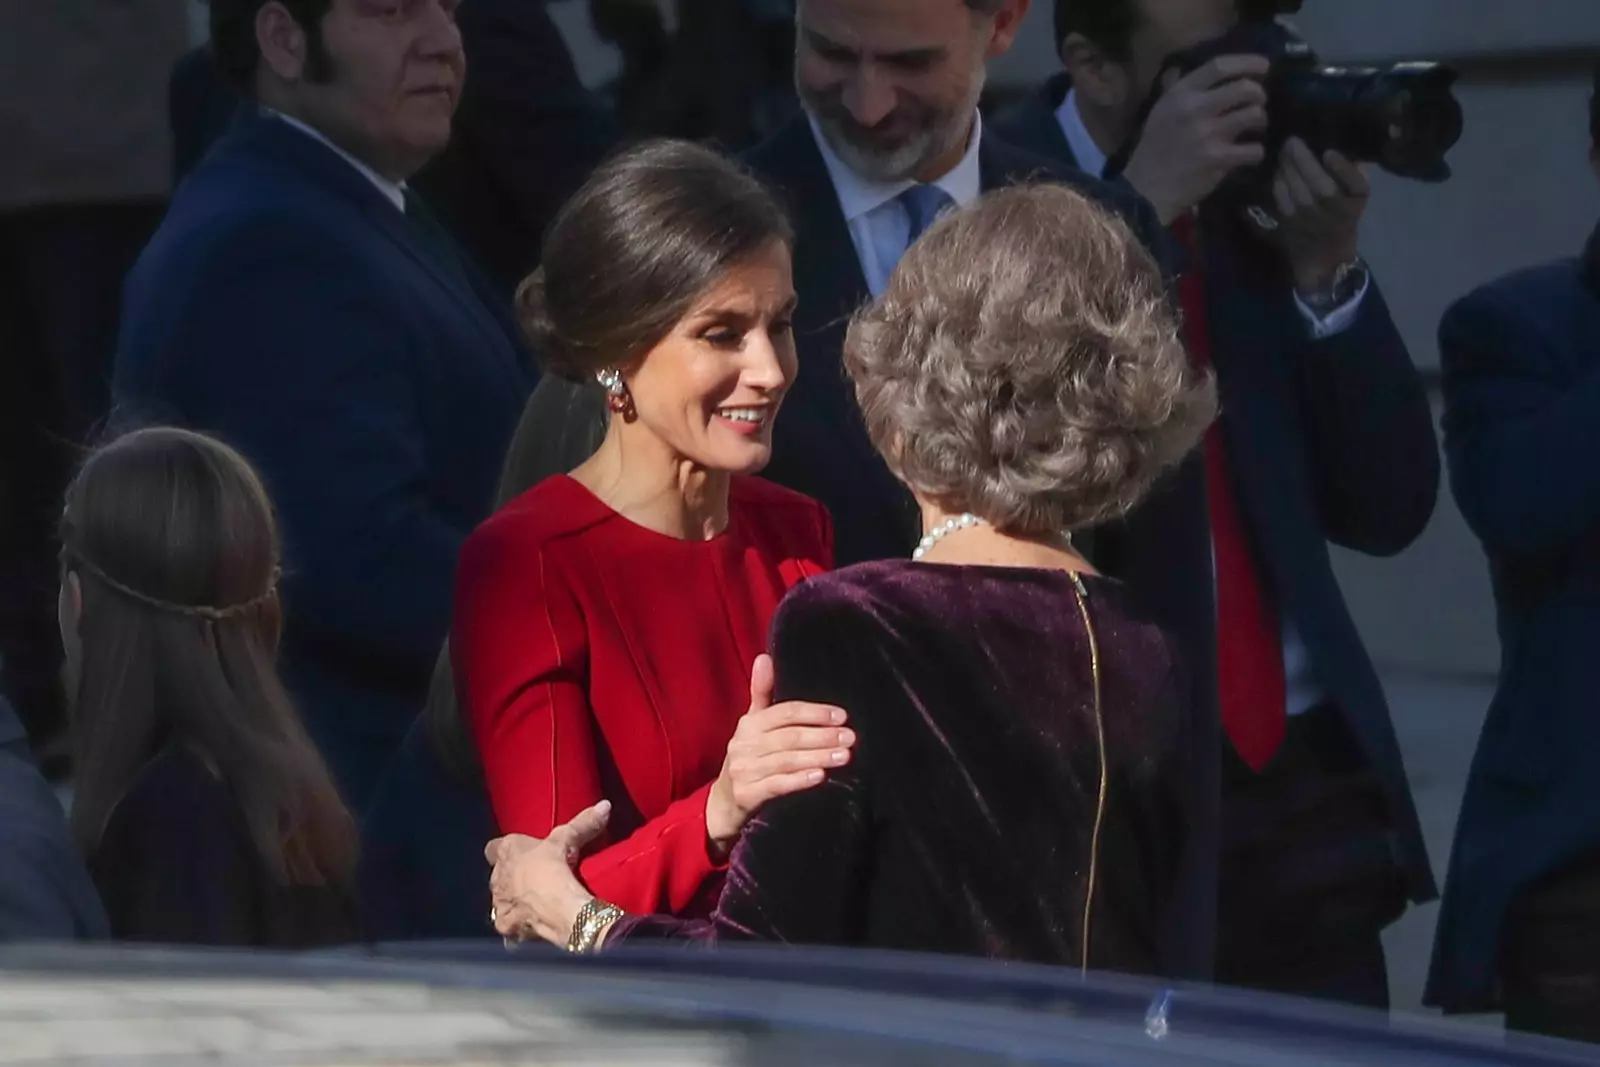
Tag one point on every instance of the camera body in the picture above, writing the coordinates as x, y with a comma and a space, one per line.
1402, 117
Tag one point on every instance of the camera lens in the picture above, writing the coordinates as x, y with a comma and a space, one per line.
1403, 118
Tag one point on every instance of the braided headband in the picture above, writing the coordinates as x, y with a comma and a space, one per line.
192, 611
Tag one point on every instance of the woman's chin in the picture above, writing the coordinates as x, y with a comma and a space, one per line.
744, 455
751, 461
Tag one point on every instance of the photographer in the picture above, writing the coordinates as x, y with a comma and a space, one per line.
1519, 930
1325, 436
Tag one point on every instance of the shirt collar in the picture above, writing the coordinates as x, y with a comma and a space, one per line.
395, 192
859, 196
1090, 156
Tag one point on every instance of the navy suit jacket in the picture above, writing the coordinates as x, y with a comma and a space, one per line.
1521, 363
1329, 441
45, 891
288, 307
526, 136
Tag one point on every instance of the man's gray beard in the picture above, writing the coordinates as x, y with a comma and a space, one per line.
905, 162
899, 165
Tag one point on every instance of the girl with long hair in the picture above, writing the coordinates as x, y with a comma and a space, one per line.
203, 808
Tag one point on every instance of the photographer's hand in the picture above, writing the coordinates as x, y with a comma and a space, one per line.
1190, 142
1320, 205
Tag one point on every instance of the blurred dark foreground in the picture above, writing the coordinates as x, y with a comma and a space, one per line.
476, 1004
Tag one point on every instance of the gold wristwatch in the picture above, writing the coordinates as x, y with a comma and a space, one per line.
594, 919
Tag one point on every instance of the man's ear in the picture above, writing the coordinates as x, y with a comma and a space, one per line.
1097, 77
282, 41
1007, 22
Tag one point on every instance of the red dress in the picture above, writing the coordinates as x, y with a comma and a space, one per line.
597, 659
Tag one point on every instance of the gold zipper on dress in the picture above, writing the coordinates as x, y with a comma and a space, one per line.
1081, 594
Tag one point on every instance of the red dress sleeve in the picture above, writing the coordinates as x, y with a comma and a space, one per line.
519, 650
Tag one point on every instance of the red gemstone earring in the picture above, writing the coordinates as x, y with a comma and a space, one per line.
617, 397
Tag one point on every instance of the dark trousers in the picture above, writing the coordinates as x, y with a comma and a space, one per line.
1308, 877
1550, 963
61, 272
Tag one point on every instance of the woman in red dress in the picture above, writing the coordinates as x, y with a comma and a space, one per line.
610, 623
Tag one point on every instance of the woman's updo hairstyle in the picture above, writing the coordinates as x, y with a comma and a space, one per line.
1025, 365
626, 258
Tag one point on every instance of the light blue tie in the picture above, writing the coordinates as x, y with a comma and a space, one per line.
923, 204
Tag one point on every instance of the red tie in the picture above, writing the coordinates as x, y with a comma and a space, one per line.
1250, 680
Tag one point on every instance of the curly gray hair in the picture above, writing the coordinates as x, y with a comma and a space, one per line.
1024, 364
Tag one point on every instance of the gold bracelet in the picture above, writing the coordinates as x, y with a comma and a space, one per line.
594, 919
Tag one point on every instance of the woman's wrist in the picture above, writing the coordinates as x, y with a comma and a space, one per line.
591, 924
572, 908
722, 823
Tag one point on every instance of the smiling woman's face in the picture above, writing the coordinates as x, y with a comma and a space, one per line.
710, 390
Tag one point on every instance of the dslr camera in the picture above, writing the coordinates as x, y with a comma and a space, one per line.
1403, 117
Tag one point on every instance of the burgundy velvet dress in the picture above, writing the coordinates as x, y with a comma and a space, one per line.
963, 825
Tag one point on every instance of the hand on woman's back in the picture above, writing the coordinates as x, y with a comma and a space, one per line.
777, 749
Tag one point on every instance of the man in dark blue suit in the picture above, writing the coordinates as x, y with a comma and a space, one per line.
300, 303
1325, 436
45, 892
525, 137
889, 136
1520, 927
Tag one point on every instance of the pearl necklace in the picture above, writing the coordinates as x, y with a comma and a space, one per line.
943, 530
963, 522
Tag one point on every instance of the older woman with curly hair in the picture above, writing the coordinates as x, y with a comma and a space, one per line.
1016, 790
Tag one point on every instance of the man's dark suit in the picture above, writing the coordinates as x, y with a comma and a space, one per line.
821, 447
1521, 361
45, 891
526, 136
289, 307
1328, 440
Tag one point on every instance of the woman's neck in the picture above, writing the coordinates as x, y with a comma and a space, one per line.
636, 475
981, 545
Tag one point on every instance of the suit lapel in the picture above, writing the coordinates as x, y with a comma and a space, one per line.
319, 163
827, 268
1034, 126
1257, 386
822, 446
454, 280
1000, 165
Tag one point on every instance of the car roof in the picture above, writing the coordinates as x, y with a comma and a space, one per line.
469, 1004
